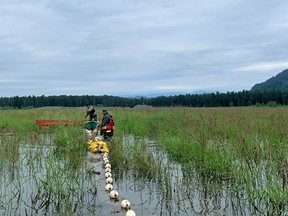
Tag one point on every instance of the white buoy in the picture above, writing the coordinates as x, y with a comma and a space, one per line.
108, 174
130, 213
99, 137
106, 162
108, 187
107, 170
109, 180
125, 204
108, 166
113, 194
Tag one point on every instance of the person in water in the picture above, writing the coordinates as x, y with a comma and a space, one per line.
90, 111
107, 125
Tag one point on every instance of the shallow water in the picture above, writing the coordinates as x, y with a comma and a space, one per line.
179, 195
38, 183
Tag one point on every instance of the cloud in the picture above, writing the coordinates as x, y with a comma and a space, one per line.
264, 66
121, 48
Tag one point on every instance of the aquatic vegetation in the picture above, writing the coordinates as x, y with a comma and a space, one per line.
245, 145
178, 151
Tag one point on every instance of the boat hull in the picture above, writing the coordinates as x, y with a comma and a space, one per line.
54, 122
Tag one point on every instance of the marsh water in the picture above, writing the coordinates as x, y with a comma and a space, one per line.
39, 182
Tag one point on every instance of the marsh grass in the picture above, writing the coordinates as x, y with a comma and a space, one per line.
134, 157
42, 169
58, 187
245, 147
243, 144
141, 161
45, 182
69, 140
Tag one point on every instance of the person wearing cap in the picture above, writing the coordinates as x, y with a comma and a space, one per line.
107, 125
91, 112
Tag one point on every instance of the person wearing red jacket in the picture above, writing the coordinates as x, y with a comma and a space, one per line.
107, 125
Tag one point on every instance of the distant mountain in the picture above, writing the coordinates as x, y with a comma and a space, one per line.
280, 81
166, 94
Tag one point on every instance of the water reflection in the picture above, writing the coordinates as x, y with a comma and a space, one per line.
176, 192
38, 181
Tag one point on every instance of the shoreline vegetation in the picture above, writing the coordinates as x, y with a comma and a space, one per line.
268, 97
245, 147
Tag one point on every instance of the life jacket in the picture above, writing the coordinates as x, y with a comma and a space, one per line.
110, 125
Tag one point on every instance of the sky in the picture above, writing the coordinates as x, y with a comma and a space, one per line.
140, 47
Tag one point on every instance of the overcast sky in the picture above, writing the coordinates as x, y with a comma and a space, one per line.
139, 47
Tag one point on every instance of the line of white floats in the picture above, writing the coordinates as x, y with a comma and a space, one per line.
113, 194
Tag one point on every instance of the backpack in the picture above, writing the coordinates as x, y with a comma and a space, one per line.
111, 123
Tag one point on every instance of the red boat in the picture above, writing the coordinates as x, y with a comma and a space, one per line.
55, 122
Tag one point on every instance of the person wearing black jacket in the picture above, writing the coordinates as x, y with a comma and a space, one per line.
90, 111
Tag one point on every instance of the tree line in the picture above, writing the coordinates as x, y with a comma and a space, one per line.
229, 99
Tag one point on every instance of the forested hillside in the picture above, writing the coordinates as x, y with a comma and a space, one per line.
280, 81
